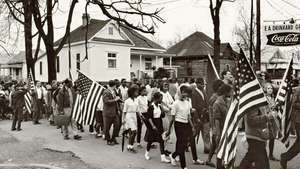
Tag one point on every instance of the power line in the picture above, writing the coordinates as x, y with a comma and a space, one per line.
292, 5
279, 11
279, 7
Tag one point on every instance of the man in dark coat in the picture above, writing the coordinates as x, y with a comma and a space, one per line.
110, 112
201, 116
18, 103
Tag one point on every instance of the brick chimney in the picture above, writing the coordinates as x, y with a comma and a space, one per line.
85, 19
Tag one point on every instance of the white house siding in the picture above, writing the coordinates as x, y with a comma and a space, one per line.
104, 33
44, 76
99, 62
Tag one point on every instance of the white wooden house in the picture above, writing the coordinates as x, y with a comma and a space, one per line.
113, 53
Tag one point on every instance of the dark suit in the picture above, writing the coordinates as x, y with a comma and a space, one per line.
201, 116
18, 103
110, 114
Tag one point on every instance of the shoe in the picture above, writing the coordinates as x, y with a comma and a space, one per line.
139, 145
206, 151
211, 164
131, 150
173, 161
110, 143
13, 129
177, 159
272, 158
147, 157
19, 129
67, 138
283, 162
51, 123
98, 135
81, 130
198, 162
77, 137
115, 142
163, 159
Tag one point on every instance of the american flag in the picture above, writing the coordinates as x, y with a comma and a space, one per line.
284, 100
248, 95
27, 96
88, 97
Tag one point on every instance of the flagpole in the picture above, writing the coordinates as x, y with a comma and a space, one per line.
213, 65
284, 76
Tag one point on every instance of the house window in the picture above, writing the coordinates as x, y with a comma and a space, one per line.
110, 30
112, 60
148, 63
41, 67
78, 61
17, 72
57, 64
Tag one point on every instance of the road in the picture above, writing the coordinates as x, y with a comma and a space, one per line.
44, 144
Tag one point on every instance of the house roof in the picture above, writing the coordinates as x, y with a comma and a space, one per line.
95, 26
78, 34
18, 58
140, 41
197, 44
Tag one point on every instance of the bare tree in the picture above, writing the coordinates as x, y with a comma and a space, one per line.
21, 12
118, 11
242, 31
215, 7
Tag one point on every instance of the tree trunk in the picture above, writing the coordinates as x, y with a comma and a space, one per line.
51, 63
28, 36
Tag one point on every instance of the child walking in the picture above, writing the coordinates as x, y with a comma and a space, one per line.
155, 129
130, 109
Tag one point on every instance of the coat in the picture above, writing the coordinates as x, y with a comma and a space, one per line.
256, 123
201, 105
18, 98
296, 106
110, 107
64, 99
219, 110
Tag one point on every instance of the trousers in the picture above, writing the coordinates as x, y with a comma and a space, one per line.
294, 150
256, 154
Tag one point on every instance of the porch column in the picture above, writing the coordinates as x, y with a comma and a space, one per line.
170, 61
140, 68
156, 62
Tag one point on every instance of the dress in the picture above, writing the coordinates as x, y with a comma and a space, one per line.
156, 115
131, 108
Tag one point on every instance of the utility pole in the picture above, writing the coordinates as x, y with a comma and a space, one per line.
251, 34
258, 40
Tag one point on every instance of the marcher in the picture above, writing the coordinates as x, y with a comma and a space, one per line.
39, 102
130, 109
227, 77
154, 132
99, 119
294, 150
142, 109
65, 100
257, 134
181, 118
271, 100
200, 117
18, 103
110, 113
214, 143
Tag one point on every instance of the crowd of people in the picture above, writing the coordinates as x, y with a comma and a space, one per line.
162, 107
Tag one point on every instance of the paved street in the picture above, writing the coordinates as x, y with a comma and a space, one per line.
43, 144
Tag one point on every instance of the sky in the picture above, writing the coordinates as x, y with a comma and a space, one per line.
184, 17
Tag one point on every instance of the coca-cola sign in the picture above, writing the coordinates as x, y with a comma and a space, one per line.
283, 39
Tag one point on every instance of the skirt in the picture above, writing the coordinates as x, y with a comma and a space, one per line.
131, 121
152, 135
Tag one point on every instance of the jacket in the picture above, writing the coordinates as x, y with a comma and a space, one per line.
220, 109
64, 99
17, 98
256, 123
296, 105
199, 103
110, 107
